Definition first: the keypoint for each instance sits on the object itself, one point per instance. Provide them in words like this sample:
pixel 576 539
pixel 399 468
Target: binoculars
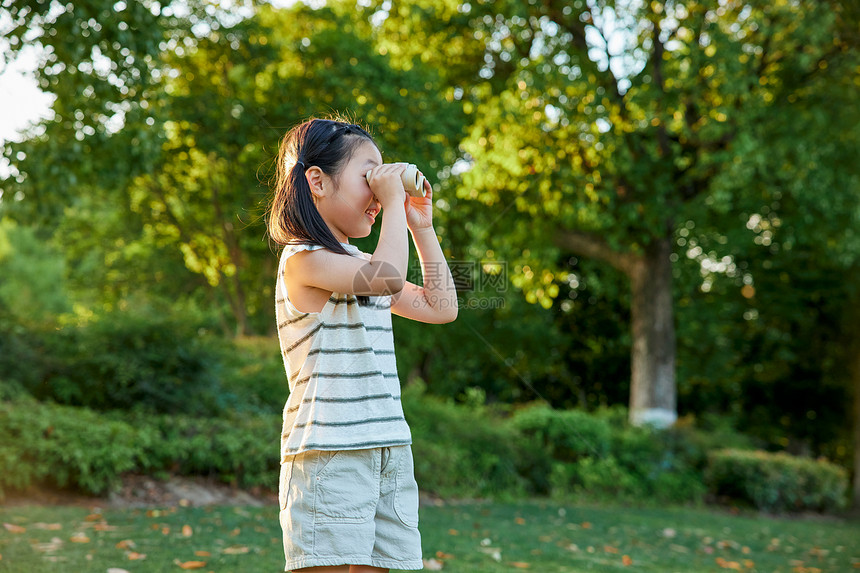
pixel 413 181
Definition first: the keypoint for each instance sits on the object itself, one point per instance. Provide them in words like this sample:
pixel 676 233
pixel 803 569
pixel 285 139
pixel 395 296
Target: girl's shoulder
pixel 293 248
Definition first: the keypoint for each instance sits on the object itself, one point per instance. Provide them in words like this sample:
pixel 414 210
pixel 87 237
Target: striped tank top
pixel 341 370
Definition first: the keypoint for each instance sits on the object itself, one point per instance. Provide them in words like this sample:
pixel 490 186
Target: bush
pixel 663 463
pixel 777 482
pixel 253 373
pixel 600 455
pixel 80 449
pixel 569 435
pixel 240 451
pixel 130 361
pixel 64 446
pixel 464 451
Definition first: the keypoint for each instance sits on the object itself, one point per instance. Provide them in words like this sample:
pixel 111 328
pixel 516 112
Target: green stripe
pixel 366 349
pixel 353 446
pixel 341 350
pixel 350 375
pixel 351 423
pixel 303 339
pixel 289 322
pixel 346 400
pixel 347 325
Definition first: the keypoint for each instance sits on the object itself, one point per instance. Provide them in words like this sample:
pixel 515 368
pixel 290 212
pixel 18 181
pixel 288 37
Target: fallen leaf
pixel 586 525
pixel 236 550
pixel 54 545
pixel 93 517
pixel 443 556
pixel 520 564
pixel 12 528
pixel 48 526
pixel 432 565
pixel 453 532
pixel 165 530
pixel 104 527
pixel 116 570
pixel 235 532
pixel 204 553
pixel 187 531
pixel 79 538
pixel 190 564
pixel 135 556
pixel 626 560
pixel 610 549
pixel 749 564
pixel 125 544
pixel 520 521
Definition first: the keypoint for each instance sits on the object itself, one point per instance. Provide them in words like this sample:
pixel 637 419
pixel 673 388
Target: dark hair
pixel 293 217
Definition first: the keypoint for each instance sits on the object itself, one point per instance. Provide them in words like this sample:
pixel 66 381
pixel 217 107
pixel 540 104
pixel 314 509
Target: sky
pixel 21 99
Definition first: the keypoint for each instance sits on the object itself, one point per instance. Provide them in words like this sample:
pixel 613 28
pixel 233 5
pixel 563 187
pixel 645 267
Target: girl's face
pixel 348 206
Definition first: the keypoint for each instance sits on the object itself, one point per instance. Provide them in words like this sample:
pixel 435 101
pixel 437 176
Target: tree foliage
pixel 603 153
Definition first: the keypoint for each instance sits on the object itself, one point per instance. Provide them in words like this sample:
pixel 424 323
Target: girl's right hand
pixel 386 183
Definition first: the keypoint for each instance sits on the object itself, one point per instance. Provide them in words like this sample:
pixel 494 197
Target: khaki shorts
pixel 350 507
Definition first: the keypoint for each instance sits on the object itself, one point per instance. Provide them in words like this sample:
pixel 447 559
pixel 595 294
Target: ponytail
pixel 292 217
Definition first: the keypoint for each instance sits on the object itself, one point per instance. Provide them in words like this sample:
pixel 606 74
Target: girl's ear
pixel 316 181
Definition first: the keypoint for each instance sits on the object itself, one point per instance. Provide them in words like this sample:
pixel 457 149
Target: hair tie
pixel 302 163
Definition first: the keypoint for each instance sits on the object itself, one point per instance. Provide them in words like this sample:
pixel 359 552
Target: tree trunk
pixel 653 398
pixel 652 385
pixel 852 333
pixel 855 382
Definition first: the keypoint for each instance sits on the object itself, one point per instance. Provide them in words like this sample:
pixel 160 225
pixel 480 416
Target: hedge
pixel 777 482
pixel 76 448
pixel 460 451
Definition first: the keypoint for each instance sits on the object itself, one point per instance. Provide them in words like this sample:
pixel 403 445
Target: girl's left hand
pixel 419 210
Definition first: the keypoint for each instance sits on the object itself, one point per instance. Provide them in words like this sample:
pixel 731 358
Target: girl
pixel 347 494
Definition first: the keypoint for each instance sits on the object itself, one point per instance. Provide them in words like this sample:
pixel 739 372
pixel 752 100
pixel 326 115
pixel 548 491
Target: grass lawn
pixel 467 538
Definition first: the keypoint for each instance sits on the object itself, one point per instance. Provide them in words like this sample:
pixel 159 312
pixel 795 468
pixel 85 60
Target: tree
pixel 615 123
pixel 98 58
pixel 203 100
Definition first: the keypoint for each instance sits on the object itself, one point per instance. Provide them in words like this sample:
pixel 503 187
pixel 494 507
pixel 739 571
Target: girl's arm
pixel 436 301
